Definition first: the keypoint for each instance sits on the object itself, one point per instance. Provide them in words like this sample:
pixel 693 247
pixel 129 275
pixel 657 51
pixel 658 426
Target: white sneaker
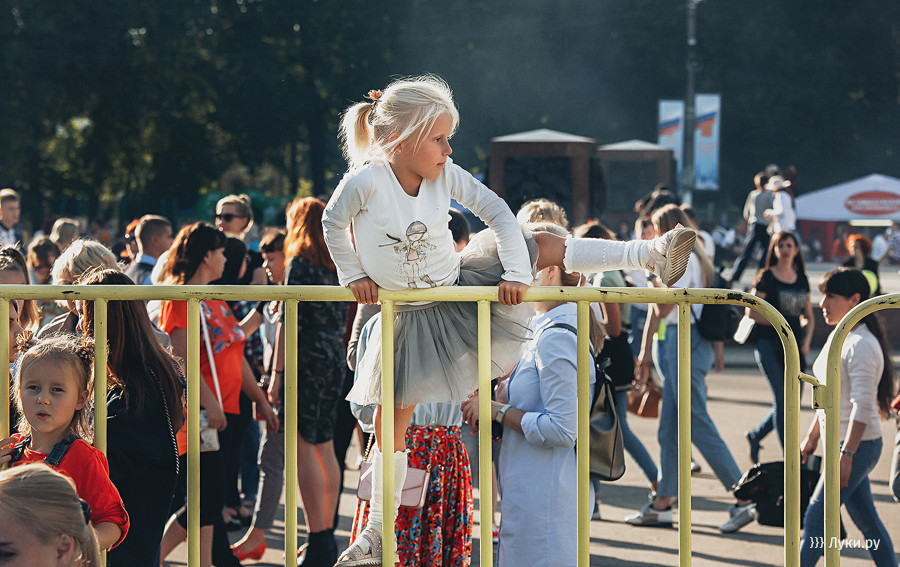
pixel 650 516
pixel 695 467
pixel 740 516
pixel 669 254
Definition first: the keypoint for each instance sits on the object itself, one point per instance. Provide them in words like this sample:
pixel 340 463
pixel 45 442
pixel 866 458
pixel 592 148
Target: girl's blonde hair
pixel 597 330
pixel 72 352
pixel 404 113
pixel 80 257
pixel 665 218
pixel 46 503
pixel 243 204
pixel 542 210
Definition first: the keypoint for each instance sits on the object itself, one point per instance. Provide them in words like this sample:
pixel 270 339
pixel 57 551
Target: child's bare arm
pixel 107 534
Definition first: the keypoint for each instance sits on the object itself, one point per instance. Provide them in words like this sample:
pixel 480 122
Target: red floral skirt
pixel 440 534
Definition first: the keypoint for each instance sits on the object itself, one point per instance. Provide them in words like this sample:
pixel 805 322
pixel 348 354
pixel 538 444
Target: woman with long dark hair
pixel 197 257
pixel 867 386
pixel 782 283
pixel 144 410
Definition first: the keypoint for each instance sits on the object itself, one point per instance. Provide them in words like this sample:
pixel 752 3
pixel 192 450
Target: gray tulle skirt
pixel 436 345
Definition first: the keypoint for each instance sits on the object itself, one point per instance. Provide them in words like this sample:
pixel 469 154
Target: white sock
pixel 593 255
pixel 376 512
pixel 401 463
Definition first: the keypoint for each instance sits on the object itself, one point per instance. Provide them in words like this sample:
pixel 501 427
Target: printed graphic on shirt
pixel 413 254
pixel 222 326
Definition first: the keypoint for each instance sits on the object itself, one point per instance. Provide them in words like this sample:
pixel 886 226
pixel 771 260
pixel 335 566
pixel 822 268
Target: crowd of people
pixel 389 225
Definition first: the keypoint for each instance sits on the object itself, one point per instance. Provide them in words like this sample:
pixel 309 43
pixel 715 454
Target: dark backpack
pixel 718 322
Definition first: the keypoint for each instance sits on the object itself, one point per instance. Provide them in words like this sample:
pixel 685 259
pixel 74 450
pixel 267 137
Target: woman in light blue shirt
pixel 536 468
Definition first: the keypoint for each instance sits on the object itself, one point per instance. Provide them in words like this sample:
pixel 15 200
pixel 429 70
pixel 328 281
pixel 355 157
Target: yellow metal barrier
pixel 483 296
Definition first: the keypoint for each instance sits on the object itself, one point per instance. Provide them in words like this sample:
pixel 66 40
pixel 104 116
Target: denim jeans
pixel 770 358
pixel 703 431
pixel 857 499
pixel 757 235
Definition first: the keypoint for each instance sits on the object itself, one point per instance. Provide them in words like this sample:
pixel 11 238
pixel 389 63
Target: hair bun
pixel 86 350
pixel 25 341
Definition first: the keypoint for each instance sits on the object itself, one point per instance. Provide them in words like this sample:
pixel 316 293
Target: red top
pixel 227 341
pixel 88 468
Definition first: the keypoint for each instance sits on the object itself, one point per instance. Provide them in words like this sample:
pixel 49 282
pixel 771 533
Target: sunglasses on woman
pixel 228 217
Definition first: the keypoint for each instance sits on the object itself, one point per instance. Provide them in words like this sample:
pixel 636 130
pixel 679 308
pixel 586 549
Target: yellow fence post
pixel 684 433
pixel 100 382
pixel 5 426
pixel 582 441
pixel 388 546
pixel 100 366
pixel 290 432
pixel 485 480
pixel 193 431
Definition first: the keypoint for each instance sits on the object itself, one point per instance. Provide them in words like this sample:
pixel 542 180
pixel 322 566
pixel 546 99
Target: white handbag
pixel 209 436
pixel 744 329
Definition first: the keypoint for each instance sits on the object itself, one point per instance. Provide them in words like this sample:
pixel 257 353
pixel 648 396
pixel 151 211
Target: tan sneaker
pixel 669 254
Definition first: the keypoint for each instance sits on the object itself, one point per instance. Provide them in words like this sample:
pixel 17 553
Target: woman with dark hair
pixel 320 377
pixel 236 267
pixel 867 386
pixel 860 258
pixel 144 410
pixel 782 283
pixel 197 257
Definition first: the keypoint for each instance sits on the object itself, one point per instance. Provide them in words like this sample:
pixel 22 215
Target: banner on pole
pixel 706 136
pixel 671 124
pixel 706 141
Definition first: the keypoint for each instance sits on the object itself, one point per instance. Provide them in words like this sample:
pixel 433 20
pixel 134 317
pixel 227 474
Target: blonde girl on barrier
pixel 395 198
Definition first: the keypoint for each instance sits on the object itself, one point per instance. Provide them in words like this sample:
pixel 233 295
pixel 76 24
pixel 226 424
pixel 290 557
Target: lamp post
pixel 693 65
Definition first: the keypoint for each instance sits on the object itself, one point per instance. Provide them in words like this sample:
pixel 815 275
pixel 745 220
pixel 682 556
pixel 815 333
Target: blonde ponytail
pixel 355 134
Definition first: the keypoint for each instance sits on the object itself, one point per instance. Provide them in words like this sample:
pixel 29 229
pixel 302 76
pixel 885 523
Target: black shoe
pixel 321 550
pixel 755 446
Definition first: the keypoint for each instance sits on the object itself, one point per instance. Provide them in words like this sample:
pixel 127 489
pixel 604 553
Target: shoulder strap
pixel 19 450
pixel 60 449
pixel 599 365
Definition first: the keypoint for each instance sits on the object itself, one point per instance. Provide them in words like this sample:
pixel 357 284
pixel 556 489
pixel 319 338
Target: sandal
pixel 366 550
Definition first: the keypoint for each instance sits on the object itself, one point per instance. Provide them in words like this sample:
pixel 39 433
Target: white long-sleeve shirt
pixel 785 216
pixel 861 365
pixel 403 241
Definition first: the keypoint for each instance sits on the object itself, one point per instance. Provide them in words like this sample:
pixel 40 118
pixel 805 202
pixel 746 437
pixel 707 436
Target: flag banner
pixel 706 141
pixel 671 124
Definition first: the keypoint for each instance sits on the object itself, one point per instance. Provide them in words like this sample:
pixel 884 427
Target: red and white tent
pixel 873 197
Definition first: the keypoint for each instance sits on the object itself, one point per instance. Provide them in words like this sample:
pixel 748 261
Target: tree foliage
pixel 149 102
